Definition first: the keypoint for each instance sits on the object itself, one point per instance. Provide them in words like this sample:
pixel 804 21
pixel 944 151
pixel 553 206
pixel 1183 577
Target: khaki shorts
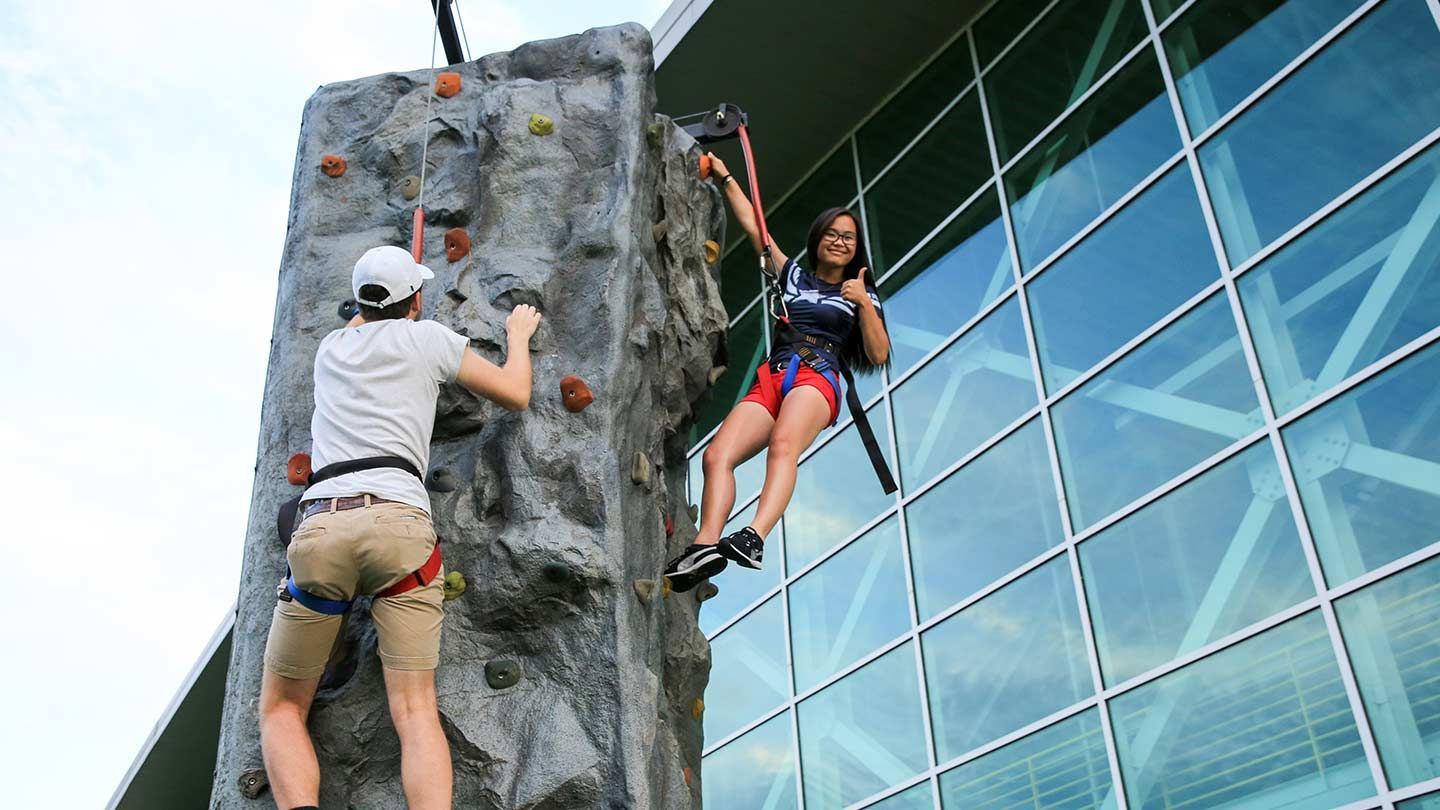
pixel 356 552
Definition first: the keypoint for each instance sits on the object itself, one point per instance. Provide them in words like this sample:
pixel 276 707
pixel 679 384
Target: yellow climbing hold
pixel 541 124
pixel 454 585
pixel 712 251
pixel 666 589
pixel 698 709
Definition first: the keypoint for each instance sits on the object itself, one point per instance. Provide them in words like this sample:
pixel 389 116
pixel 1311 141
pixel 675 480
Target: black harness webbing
pixel 285 521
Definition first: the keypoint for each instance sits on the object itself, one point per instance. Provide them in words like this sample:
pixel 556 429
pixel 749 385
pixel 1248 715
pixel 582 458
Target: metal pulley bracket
pixel 715 125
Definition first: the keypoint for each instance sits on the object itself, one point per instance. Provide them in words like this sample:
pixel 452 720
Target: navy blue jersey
pixel 816 308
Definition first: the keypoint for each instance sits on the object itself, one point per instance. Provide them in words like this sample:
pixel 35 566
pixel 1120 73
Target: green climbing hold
pixel 502 674
pixel 454 585
pixel 655 134
pixel 694 511
pixel 541 124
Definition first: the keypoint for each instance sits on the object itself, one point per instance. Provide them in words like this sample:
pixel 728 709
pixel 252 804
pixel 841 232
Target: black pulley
pixel 723 121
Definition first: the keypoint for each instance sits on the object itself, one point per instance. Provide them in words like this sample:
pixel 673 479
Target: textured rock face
pixel 558 686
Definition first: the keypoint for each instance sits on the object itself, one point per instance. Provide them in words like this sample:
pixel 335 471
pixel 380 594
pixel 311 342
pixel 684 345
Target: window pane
pixel 916 798
pixel 1174 401
pixel 756 771
pixel 903 116
pixel 1055 64
pixel 1356 105
pixel 850 605
pixel 747 671
pixel 836 492
pixel 951 279
pixel 1008 660
pixel 984 521
pixel 1363 283
pixel 1368 469
pixel 981 383
pixel 1222 50
pixel 949 164
pixel 1430 801
pixel 1121 135
pixel 1063 767
pixel 739 278
pixel 854 742
pixel 1390 632
pixel 832 184
pixel 1215 556
pixel 745 348
pixel 738 587
pixel 1262 724
pixel 1002 23
pixel 1140 265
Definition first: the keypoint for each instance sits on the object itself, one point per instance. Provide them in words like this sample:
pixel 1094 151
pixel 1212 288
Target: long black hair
pixel 852 352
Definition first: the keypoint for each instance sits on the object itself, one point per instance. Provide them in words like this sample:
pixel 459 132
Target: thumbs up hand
pixel 854 290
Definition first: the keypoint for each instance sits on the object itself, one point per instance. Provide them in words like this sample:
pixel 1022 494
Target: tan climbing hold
pixel 698 709
pixel 716 373
pixel 541 124
pixel 707 591
pixel 575 394
pixel 640 469
pixel 297 469
pixel 454 585
pixel 704 167
pixel 645 589
pixel 332 165
pixel 410 186
pixel 457 244
pixel 712 251
pixel 659 229
pixel 666 588
pixel 447 84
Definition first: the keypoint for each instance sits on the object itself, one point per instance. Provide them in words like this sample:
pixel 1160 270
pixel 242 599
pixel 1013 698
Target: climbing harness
pixel 727 121
pixel 287 519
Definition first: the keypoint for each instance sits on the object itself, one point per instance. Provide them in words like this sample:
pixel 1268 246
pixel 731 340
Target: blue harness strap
pixel 319 604
pixel 794 368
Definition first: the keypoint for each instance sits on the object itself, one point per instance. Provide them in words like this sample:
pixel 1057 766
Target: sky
pixel 146 153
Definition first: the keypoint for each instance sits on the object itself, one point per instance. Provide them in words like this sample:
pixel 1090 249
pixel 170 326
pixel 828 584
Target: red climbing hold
pixel 298 469
pixel 669 525
pixel 332 165
pixel 575 394
pixel 447 84
pixel 417 235
pixel 457 244
pixel 704 167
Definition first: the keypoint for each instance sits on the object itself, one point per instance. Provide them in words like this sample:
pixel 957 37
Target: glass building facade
pixel 1163 284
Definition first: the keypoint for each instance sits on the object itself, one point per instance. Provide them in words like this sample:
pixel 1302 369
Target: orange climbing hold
pixel 712 251
pixel 417 235
pixel 575 394
pixel 298 469
pixel 457 244
pixel 704 167
pixel 332 165
pixel 688 777
pixel 447 84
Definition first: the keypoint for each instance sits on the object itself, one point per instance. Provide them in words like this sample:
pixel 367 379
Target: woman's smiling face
pixel 837 242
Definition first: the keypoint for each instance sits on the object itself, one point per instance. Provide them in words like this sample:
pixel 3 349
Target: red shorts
pixel 766 390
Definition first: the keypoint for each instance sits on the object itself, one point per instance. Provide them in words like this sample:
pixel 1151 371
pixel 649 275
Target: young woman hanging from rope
pixel 827 315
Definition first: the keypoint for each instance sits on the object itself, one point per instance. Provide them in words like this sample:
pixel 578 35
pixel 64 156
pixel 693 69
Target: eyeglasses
pixel 831 235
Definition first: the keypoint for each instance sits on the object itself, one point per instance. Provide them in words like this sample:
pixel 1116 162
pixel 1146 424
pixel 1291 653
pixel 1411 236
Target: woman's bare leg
pixel 803 414
pixel 744 433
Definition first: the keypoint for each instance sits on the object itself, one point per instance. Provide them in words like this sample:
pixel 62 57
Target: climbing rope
pixel 469 54
pixel 768 272
pixel 417 238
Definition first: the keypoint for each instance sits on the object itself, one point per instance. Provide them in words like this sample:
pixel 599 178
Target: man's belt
pixel 309 508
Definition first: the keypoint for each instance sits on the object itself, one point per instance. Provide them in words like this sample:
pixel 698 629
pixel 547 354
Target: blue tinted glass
pixel 1363 283
pixel 1008 660
pixel 1262 724
pixel 1430 801
pixel 832 184
pixel 836 493
pixel 863 734
pixel 1137 267
pixel 738 587
pixel 1368 469
pixel 1222 50
pixel 1121 134
pixel 1206 560
pixel 746 348
pixel 915 798
pixel 1180 397
pixel 1389 631
pixel 756 771
pixel 981 383
pixel 915 106
pixel 848 606
pixel 984 521
pixel 747 671
pixel 951 279
pixel 1062 767
pixel 1357 104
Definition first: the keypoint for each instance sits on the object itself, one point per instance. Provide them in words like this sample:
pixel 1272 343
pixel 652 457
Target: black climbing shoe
pixel 694 564
pixel 744 547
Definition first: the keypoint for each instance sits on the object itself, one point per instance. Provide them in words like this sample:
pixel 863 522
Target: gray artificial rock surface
pixel 544 519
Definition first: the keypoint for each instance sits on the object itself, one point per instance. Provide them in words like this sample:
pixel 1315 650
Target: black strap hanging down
pixel 785 333
pixel 285 520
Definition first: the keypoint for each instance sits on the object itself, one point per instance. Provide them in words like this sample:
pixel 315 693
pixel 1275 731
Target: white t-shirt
pixel 375 391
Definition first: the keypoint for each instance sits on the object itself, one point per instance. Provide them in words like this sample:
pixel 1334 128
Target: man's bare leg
pixel 285 741
pixel 424 751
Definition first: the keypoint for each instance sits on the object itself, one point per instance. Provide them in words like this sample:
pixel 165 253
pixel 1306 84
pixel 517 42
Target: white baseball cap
pixel 389 267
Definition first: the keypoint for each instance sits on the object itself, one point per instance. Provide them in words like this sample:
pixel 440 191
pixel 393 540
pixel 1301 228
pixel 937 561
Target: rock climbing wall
pixel 567 679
